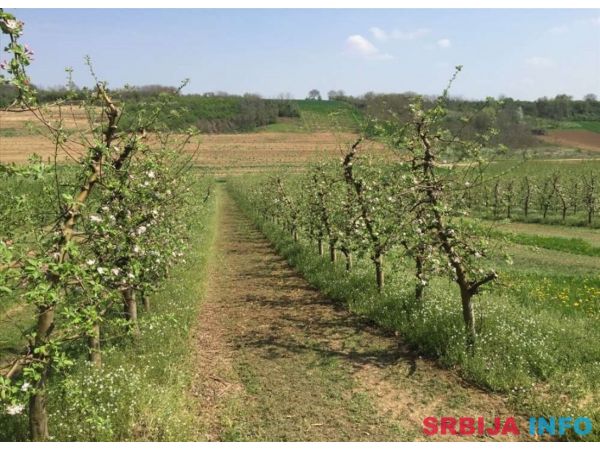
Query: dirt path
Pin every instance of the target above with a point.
(278, 361)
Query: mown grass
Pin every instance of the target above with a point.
(318, 115)
(590, 125)
(537, 329)
(141, 392)
(588, 235)
(328, 115)
(576, 246)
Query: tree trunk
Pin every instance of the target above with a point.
(378, 261)
(468, 316)
(130, 307)
(146, 302)
(320, 242)
(38, 414)
(348, 256)
(94, 346)
(332, 252)
(419, 288)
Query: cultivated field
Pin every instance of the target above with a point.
(217, 153)
(582, 139)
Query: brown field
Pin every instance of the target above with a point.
(237, 153)
(583, 139)
(216, 152)
(72, 117)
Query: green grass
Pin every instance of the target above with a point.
(327, 114)
(318, 115)
(589, 125)
(575, 246)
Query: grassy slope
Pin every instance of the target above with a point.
(318, 115)
(537, 325)
(589, 125)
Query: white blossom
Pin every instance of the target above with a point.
(101, 270)
(25, 387)
(13, 410)
(95, 218)
(151, 174)
(115, 271)
(90, 262)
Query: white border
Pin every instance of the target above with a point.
(289, 4)
(291, 445)
(484, 4)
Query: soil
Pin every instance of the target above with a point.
(583, 139)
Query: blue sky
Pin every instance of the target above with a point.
(520, 53)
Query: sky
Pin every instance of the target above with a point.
(523, 54)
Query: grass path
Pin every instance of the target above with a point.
(278, 361)
(592, 236)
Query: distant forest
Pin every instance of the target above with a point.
(518, 121)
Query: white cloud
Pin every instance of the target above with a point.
(382, 35)
(561, 29)
(444, 43)
(539, 61)
(360, 46)
(378, 34)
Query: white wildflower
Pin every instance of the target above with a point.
(115, 271)
(95, 218)
(151, 174)
(101, 270)
(90, 262)
(25, 387)
(141, 229)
